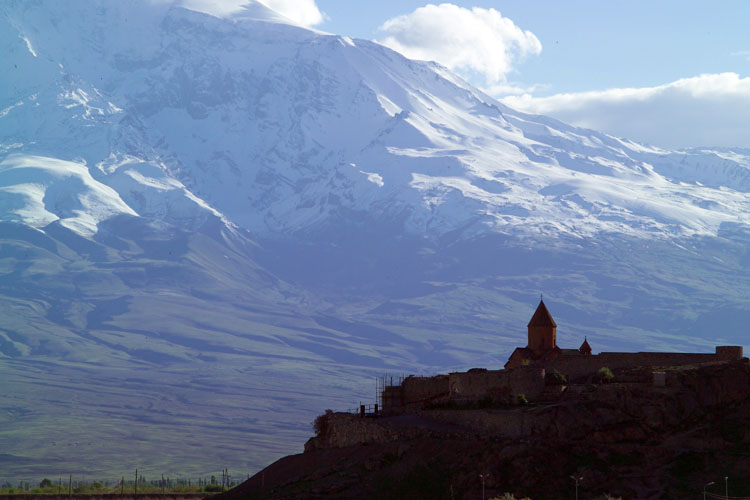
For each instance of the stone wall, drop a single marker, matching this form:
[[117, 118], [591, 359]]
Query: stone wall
[[505, 386], [339, 430], [499, 385], [392, 396], [575, 367], [417, 390], [604, 412], [729, 352]]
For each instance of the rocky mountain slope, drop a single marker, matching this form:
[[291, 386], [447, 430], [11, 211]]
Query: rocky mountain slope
[[216, 227]]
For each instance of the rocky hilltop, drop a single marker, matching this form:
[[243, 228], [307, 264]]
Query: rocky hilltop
[[626, 438]]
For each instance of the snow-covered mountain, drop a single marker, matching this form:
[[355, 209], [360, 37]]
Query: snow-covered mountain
[[312, 125], [206, 221]]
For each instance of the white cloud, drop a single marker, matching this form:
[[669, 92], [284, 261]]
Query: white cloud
[[706, 110], [513, 88], [475, 41], [303, 12]]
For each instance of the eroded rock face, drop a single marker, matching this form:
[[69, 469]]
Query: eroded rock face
[[339, 430]]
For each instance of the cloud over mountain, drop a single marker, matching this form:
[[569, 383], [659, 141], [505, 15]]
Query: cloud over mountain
[[709, 109], [479, 41]]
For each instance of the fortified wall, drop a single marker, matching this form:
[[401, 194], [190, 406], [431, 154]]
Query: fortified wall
[[499, 386], [580, 366], [540, 372], [531, 381], [690, 390]]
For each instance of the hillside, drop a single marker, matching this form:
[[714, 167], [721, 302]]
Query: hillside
[[216, 227], [626, 439]]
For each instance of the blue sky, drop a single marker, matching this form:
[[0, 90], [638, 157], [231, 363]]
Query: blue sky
[[674, 74], [593, 45]]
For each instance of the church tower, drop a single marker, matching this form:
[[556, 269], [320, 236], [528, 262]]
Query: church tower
[[542, 330]]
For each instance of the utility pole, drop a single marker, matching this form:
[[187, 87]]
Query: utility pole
[[726, 487], [576, 479], [135, 488], [704, 489], [483, 477]]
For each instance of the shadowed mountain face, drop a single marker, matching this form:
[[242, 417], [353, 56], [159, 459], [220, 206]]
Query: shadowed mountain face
[[211, 229]]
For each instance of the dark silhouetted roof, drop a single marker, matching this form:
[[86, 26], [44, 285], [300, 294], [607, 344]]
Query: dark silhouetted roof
[[542, 317], [531, 355], [585, 347]]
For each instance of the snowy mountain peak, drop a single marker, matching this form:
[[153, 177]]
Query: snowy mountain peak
[[285, 130], [254, 10], [250, 10]]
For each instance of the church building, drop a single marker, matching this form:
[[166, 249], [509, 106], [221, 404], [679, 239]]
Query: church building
[[542, 341]]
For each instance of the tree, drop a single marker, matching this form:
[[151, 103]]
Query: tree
[[46, 483], [605, 375]]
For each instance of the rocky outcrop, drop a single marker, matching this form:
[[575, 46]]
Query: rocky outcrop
[[339, 430]]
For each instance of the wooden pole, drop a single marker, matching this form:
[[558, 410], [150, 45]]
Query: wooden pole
[[122, 486], [59, 486], [70, 485], [135, 488]]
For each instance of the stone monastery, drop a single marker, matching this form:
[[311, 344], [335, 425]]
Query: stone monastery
[[542, 371]]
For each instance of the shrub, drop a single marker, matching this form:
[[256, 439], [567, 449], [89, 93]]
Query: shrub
[[320, 424], [605, 375], [556, 378], [522, 399]]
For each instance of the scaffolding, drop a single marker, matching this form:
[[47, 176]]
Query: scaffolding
[[381, 383]]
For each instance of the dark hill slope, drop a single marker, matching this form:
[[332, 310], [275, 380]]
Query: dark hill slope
[[630, 440]]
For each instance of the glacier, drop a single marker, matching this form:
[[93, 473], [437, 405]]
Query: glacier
[[214, 228]]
